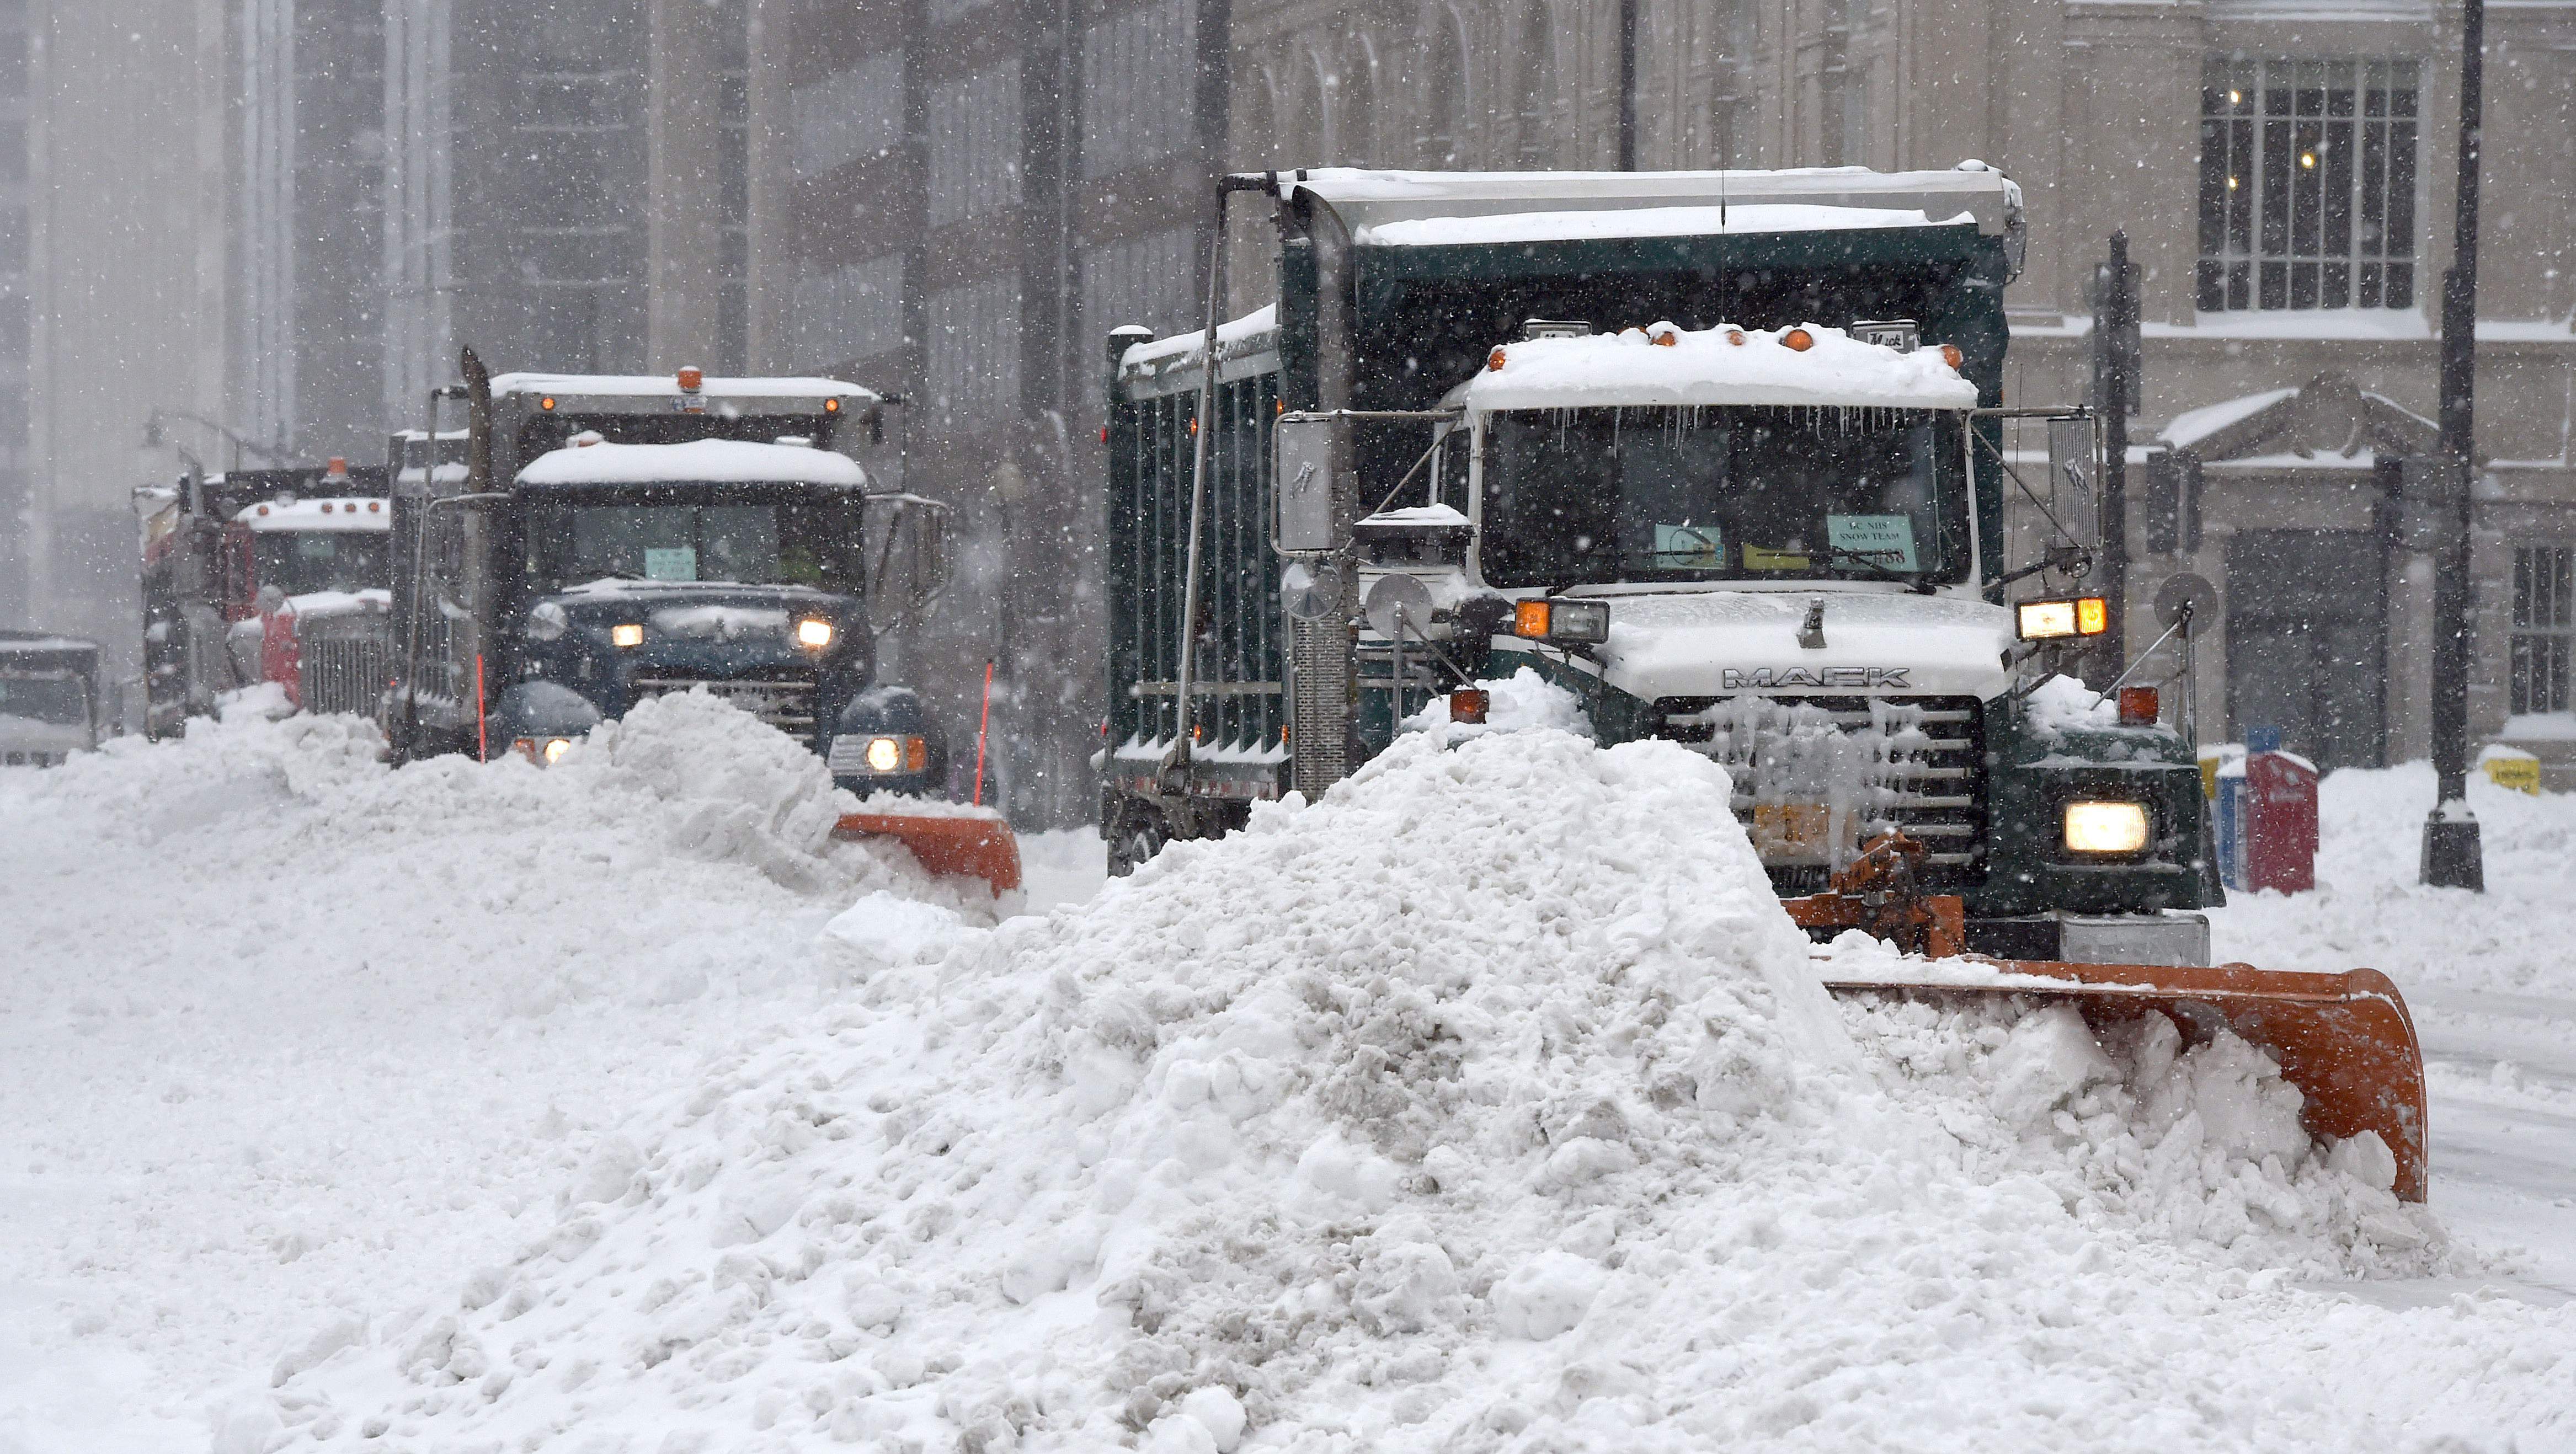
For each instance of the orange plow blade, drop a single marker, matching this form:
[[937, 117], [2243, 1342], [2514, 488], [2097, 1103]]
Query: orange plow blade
[[962, 845], [2345, 1040]]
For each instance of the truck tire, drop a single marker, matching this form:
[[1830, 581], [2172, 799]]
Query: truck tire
[[1141, 833]]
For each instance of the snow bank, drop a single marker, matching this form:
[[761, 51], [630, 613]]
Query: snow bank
[[1521, 702], [293, 1036], [1487, 1103]]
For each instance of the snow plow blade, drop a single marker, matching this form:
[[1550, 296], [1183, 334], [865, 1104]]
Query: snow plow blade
[[962, 845], [2345, 1040]]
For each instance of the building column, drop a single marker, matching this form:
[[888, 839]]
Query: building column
[[685, 185]]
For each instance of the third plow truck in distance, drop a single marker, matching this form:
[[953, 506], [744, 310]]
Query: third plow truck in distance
[[613, 538], [1723, 456]]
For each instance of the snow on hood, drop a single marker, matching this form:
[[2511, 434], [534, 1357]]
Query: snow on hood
[[1686, 644], [1489, 1102], [719, 623], [334, 514], [723, 461], [1709, 367], [340, 603]]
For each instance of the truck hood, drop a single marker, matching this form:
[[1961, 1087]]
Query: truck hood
[[1716, 643]]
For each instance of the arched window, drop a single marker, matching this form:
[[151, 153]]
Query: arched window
[[1257, 145], [1534, 133], [1358, 109], [1444, 88], [1313, 124]]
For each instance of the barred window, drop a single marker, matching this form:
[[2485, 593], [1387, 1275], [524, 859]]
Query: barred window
[[975, 144], [975, 350], [1139, 78], [2307, 184], [2544, 624]]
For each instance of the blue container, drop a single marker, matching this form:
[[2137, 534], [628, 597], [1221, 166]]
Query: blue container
[[2231, 827]]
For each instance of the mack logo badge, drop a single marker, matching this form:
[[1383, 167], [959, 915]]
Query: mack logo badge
[[1866, 678]]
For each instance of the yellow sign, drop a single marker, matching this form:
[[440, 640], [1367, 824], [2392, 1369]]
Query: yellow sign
[[2521, 774], [2209, 765], [1763, 557], [1793, 832]]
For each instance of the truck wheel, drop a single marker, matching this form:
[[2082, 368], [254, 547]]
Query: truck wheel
[[1141, 834]]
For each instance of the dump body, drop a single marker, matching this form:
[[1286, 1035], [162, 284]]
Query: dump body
[[49, 699], [1395, 290]]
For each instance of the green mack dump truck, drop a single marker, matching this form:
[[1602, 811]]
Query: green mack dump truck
[[1719, 453]]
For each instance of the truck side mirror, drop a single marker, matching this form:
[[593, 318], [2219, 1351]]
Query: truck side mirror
[[1314, 452], [2075, 480]]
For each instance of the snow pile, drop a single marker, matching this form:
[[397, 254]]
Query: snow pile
[[1521, 702], [2064, 704], [1489, 1102]]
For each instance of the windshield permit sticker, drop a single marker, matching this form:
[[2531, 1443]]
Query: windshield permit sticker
[[1763, 557], [313, 545], [679, 563], [1689, 547], [1886, 539]]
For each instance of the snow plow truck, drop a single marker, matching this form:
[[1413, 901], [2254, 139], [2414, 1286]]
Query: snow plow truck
[[271, 575], [615, 538], [1723, 457]]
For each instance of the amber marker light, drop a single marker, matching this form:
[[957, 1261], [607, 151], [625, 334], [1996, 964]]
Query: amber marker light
[[1950, 355], [2092, 616], [1494, 360], [1797, 340], [1529, 618]]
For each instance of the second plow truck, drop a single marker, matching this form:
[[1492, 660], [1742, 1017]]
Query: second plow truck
[[270, 575], [1721, 456], [613, 538]]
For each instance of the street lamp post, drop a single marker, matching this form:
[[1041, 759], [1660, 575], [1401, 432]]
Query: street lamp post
[[2452, 858]]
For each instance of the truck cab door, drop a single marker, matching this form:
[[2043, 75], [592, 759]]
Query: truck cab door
[[239, 574]]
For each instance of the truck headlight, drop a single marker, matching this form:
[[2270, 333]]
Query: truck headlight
[[814, 633], [631, 634], [2093, 827], [885, 754]]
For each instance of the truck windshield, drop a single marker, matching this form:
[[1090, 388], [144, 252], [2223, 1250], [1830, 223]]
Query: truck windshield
[[681, 536], [300, 562], [60, 700], [1595, 496]]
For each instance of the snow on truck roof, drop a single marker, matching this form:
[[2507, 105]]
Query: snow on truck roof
[[1710, 367], [667, 386], [1645, 222], [721, 461], [337, 513], [1371, 201]]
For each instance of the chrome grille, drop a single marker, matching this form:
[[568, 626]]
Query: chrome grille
[[783, 702], [345, 663], [1818, 777]]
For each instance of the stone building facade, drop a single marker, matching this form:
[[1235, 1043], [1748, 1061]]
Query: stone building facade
[[2283, 171]]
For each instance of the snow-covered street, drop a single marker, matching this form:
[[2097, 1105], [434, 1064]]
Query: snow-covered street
[[485, 1107]]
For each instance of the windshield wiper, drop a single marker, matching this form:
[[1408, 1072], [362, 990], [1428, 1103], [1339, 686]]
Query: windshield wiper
[[1919, 582]]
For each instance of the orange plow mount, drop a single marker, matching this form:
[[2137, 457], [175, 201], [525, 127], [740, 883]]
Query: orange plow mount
[[2345, 1040], [957, 843]]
